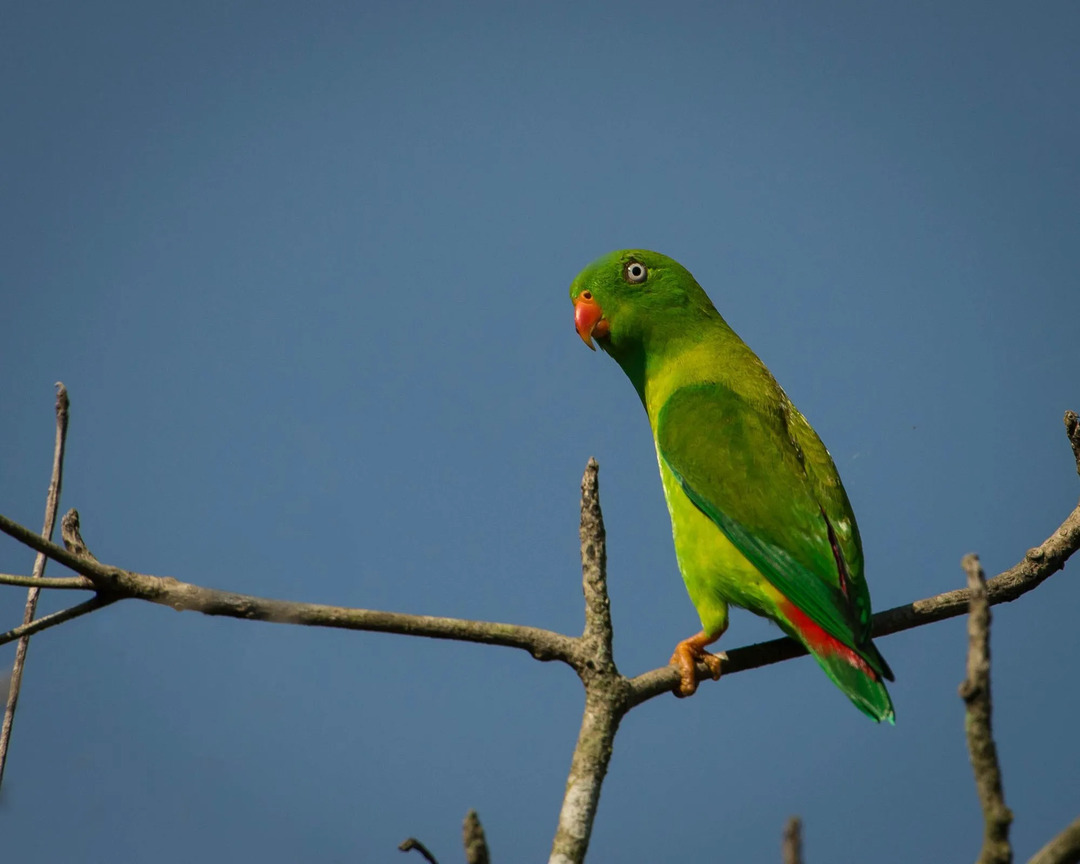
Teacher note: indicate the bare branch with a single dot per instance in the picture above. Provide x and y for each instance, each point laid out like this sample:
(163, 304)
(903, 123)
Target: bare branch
(791, 848)
(1072, 429)
(52, 504)
(80, 583)
(1037, 565)
(1063, 849)
(598, 633)
(412, 843)
(476, 849)
(96, 602)
(605, 689)
(975, 691)
(69, 531)
(183, 596)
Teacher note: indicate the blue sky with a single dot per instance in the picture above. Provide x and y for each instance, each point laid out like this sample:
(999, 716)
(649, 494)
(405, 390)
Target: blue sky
(304, 269)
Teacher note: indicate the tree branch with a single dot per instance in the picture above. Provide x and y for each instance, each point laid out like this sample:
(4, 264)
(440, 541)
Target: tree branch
(791, 847)
(476, 848)
(597, 636)
(412, 843)
(605, 689)
(96, 602)
(69, 532)
(52, 504)
(1063, 849)
(80, 583)
(183, 596)
(975, 691)
(1072, 429)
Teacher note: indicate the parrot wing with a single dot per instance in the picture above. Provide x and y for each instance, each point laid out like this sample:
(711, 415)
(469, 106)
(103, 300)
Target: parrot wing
(761, 474)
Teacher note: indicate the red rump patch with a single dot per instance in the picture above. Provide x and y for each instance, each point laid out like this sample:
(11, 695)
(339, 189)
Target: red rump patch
(820, 642)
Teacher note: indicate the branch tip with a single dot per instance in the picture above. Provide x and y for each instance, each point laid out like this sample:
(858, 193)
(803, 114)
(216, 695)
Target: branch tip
(411, 843)
(476, 849)
(69, 532)
(1072, 429)
(597, 636)
(791, 847)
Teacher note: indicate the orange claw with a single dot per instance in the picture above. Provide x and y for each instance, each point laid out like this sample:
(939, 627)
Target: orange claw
(685, 659)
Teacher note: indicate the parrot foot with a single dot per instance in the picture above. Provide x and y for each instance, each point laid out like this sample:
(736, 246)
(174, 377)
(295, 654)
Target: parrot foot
(685, 659)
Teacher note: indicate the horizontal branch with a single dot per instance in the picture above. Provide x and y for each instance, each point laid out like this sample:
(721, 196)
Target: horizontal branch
(1038, 565)
(68, 582)
(183, 596)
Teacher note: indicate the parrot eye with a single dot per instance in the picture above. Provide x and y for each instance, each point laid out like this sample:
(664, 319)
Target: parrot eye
(635, 273)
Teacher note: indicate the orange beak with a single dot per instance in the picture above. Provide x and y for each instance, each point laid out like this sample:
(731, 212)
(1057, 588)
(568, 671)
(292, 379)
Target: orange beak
(589, 319)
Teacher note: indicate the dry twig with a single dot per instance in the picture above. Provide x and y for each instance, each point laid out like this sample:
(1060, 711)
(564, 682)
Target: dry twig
(25, 631)
(412, 843)
(791, 847)
(52, 504)
(975, 691)
(476, 848)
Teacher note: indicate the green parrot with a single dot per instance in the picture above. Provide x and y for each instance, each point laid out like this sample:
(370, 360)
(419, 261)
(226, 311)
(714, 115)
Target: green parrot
(759, 516)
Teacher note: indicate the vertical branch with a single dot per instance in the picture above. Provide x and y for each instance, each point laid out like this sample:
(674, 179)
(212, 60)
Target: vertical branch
(606, 692)
(587, 771)
(476, 848)
(1072, 429)
(975, 691)
(52, 504)
(597, 635)
(792, 843)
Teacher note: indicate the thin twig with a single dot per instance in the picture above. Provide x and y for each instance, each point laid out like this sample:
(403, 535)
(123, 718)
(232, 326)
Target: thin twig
(52, 504)
(412, 843)
(791, 847)
(80, 583)
(975, 691)
(476, 848)
(98, 601)
(1063, 849)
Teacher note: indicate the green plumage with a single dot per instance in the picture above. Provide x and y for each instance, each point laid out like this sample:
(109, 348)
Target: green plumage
(759, 516)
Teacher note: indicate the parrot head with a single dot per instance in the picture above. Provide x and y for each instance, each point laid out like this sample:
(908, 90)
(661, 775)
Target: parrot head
(634, 300)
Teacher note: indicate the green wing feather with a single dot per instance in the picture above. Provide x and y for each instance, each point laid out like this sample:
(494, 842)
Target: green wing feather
(761, 474)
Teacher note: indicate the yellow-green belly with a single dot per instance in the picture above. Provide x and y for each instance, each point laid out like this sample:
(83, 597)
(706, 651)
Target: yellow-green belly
(715, 572)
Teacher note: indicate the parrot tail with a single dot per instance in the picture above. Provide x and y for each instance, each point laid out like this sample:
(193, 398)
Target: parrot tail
(849, 670)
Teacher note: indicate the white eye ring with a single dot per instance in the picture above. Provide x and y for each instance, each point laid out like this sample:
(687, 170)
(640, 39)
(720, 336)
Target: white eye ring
(635, 272)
